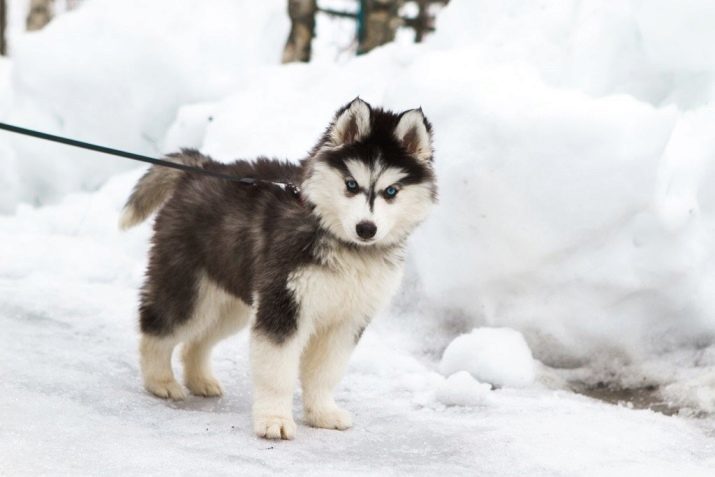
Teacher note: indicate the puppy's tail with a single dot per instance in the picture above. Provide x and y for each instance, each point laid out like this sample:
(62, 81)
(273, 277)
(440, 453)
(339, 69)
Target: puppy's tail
(155, 187)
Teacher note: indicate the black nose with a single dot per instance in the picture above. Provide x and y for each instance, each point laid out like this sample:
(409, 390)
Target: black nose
(366, 229)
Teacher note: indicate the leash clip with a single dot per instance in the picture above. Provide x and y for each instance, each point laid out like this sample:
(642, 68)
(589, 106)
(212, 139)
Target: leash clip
(293, 189)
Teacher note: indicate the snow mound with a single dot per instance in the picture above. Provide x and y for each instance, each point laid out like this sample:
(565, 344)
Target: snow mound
(461, 389)
(116, 73)
(499, 356)
(584, 175)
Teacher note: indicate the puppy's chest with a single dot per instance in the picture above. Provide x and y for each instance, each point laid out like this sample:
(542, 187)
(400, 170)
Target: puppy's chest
(353, 290)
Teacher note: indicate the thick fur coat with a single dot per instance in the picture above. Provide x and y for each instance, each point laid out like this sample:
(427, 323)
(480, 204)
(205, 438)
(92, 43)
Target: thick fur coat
(306, 273)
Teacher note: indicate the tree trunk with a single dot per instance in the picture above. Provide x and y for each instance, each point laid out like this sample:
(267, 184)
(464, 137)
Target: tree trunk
(302, 30)
(380, 22)
(422, 20)
(3, 25)
(40, 14)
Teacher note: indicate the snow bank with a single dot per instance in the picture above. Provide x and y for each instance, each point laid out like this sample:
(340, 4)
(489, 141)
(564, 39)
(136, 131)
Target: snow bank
(558, 197)
(568, 235)
(657, 51)
(499, 356)
(116, 72)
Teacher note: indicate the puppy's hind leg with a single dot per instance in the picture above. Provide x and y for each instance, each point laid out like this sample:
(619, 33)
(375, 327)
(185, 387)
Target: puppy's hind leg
(155, 360)
(197, 354)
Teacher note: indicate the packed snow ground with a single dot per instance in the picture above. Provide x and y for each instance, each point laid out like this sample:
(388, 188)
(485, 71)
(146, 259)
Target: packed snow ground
(574, 149)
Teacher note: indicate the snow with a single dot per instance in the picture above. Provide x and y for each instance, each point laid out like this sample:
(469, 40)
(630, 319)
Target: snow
(73, 403)
(498, 356)
(461, 389)
(123, 88)
(574, 232)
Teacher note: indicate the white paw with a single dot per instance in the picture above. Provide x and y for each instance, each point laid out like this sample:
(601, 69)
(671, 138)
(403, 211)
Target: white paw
(167, 389)
(206, 386)
(329, 418)
(274, 427)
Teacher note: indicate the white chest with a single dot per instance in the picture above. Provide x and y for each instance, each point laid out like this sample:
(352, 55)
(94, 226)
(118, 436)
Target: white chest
(356, 289)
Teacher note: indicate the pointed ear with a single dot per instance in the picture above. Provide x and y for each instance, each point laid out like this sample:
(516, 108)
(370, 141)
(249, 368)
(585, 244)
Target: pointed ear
(352, 123)
(415, 134)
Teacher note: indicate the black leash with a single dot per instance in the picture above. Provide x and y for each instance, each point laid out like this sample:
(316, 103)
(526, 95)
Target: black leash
(292, 188)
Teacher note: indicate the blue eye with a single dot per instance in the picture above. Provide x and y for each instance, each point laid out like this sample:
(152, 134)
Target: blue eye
(352, 185)
(391, 192)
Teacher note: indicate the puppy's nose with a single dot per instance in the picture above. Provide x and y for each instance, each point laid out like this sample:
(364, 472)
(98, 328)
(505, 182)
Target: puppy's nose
(366, 229)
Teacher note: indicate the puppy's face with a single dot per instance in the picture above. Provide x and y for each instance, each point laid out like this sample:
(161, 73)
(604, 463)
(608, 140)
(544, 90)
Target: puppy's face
(371, 180)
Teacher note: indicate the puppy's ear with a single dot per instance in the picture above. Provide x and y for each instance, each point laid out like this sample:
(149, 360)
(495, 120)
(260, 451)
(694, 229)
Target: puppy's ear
(352, 123)
(414, 132)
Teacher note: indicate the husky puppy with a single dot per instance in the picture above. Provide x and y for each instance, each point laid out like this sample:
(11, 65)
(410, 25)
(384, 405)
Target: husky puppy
(306, 273)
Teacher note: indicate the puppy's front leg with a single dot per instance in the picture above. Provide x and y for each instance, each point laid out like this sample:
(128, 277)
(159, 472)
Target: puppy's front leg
(275, 372)
(322, 365)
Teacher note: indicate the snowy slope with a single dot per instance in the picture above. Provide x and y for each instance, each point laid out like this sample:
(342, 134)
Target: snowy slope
(574, 152)
(116, 72)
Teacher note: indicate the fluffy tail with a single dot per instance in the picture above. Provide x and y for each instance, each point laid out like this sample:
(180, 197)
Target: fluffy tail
(155, 187)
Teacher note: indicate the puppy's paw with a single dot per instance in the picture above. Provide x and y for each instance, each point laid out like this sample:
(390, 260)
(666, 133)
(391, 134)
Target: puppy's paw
(206, 386)
(329, 418)
(166, 389)
(274, 427)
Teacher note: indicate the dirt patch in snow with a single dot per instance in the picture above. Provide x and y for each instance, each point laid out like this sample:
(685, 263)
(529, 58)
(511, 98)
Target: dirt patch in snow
(646, 397)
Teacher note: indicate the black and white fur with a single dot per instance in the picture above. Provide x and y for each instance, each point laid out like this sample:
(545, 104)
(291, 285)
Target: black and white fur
(307, 275)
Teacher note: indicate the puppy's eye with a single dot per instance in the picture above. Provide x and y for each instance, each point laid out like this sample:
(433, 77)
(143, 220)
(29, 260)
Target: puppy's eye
(352, 186)
(391, 192)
